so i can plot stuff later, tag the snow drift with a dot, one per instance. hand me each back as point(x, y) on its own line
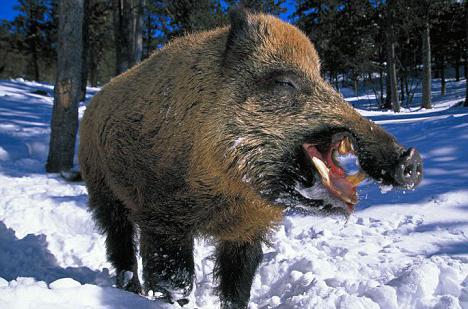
point(398, 250)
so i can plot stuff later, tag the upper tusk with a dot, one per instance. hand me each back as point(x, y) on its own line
point(345, 146)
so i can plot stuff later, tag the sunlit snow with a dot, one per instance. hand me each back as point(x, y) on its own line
point(402, 249)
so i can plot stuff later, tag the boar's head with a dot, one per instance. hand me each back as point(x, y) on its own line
point(284, 127)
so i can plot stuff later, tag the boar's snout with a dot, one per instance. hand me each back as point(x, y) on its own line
point(408, 171)
point(382, 157)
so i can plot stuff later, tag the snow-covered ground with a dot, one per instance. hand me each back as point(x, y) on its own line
point(398, 250)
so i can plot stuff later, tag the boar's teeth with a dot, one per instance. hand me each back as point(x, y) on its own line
point(345, 146)
point(357, 178)
point(322, 169)
point(342, 147)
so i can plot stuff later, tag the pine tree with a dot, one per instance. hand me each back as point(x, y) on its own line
point(344, 35)
point(274, 7)
point(319, 20)
point(185, 16)
point(33, 29)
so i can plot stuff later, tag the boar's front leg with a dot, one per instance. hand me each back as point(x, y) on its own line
point(236, 263)
point(168, 266)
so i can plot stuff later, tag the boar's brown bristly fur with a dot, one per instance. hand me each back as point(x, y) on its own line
point(163, 128)
point(151, 139)
point(203, 138)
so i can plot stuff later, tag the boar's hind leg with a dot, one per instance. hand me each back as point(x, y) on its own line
point(168, 265)
point(236, 264)
point(112, 218)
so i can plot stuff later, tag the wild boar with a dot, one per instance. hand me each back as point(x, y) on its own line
point(216, 135)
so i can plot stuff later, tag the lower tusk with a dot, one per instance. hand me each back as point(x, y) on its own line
point(357, 178)
point(349, 200)
point(322, 169)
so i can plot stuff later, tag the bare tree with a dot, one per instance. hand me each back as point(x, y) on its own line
point(100, 45)
point(32, 18)
point(85, 51)
point(391, 61)
point(128, 32)
point(137, 32)
point(426, 79)
point(67, 87)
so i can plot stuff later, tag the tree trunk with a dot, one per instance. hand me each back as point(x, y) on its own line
point(436, 69)
point(381, 84)
point(402, 88)
point(466, 54)
point(388, 95)
point(355, 83)
point(465, 65)
point(93, 67)
point(137, 32)
point(426, 56)
point(32, 40)
point(128, 32)
point(120, 19)
point(392, 70)
point(407, 91)
point(94, 54)
point(35, 60)
point(149, 35)
point(67, 87)
point(442, 76)
point(85, 51)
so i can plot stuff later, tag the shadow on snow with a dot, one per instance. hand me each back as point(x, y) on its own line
point(29, 257)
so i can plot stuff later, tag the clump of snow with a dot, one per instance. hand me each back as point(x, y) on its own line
point(417, 285)
point(385, 188)
point(3, 283)
point(29, 293)
point(396, 251)
point(64, 283)
point(237, 142)
point(385, 296)
point(318, 192)
point(3, 154)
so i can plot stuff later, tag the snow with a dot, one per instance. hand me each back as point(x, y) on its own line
point(401, 249)
point(64, 283)
point(29, 293)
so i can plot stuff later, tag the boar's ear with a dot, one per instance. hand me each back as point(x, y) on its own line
point(239, 17)
point(247, 30)
point(239, 31)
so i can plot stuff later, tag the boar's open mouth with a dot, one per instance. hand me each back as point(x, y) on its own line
point(325, 159)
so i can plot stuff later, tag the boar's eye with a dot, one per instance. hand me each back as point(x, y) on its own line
point(286, 83)
point(281, 83)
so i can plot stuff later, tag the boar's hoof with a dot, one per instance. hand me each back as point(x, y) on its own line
point(127, 281)
point(409, 170)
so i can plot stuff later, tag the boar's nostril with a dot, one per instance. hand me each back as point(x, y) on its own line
point(409, 170)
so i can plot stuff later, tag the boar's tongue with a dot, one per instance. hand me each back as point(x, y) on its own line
point(333, 176)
